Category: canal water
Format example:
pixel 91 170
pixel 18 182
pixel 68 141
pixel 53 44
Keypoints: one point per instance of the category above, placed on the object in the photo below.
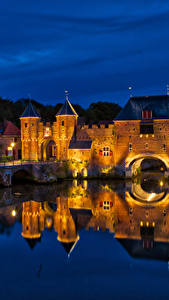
pixel 85 240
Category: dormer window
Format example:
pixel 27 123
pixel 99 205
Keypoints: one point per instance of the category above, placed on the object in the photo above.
pixel 146 114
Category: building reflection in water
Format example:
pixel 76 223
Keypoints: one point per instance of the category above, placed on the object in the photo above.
pixel 136 215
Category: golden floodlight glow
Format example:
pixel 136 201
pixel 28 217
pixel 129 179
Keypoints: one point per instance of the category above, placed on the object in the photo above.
pixel 13 213
pixel 151 196
pixel 161 183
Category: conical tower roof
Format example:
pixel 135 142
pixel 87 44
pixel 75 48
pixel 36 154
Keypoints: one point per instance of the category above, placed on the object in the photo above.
pixel 30 111
pixel 67 109
pixel 32 242
pixel 69 246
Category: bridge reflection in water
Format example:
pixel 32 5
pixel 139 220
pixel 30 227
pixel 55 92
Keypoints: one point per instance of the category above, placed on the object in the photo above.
pixel 137 214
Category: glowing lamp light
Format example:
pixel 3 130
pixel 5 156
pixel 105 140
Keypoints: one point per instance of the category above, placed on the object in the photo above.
pixel 161 183
pixel 12 145
pixel 13 213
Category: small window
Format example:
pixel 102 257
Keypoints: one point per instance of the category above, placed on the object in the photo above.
pixel 15 139
pixel 47 131
pixel 164 147
pixel 146 128
pixel 130 147
pixel 146 146
pixel 62 123
pixel 106 151
pixel 146 114
pixel 10 151
pixel 26 125
pixel 106 205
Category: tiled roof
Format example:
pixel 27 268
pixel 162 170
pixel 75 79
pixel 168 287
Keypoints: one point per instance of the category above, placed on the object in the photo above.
pixel 30 111
pixel 75 144
pixel 10 129
pixel 159 105
pixel 67 109
pixel 105 122
pixel 82 135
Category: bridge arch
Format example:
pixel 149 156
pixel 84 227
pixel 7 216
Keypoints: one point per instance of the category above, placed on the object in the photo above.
pixel 143 196
pixel 48 149
pixel 132 164
pixel 21 175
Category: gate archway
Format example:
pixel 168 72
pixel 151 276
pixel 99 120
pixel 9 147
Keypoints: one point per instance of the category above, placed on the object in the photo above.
pixel 48 150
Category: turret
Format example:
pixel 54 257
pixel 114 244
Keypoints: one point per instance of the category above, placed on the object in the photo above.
pixel 29 133
pixel 66 120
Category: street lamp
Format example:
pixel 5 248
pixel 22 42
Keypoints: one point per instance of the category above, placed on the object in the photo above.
pixel 13 213
pixel 12 144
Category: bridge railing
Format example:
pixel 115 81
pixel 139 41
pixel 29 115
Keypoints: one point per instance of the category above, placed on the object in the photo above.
pixel 23 162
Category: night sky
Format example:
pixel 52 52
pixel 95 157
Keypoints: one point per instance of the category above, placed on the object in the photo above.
pixel 93 48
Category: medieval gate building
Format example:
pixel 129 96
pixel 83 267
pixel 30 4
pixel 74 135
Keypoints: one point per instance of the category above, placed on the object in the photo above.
pixel 141 130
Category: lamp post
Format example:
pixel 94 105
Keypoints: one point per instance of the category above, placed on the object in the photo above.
pixel 12 146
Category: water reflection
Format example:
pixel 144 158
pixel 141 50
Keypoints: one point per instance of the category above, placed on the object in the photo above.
pixel 135 213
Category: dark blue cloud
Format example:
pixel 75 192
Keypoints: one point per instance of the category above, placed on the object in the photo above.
pixel 94 49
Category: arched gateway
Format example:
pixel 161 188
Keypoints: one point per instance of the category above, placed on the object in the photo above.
pixel 133 164
pixel 48 150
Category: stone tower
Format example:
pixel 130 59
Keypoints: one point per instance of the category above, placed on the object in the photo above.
pixel 32 222
pixel 29 133
pixel 66 121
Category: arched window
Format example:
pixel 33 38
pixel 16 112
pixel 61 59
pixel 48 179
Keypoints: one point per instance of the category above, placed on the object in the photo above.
pixel 130 147
pixel 164 147
pixel 62 123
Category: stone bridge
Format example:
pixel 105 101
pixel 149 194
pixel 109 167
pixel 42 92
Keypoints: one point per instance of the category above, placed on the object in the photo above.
pixel 41 172
pixel 133 163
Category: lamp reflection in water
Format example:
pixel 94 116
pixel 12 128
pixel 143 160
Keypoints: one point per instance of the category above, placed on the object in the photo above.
pixel 161 183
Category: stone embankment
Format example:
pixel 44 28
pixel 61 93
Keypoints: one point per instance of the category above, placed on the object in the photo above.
pixel 50 172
